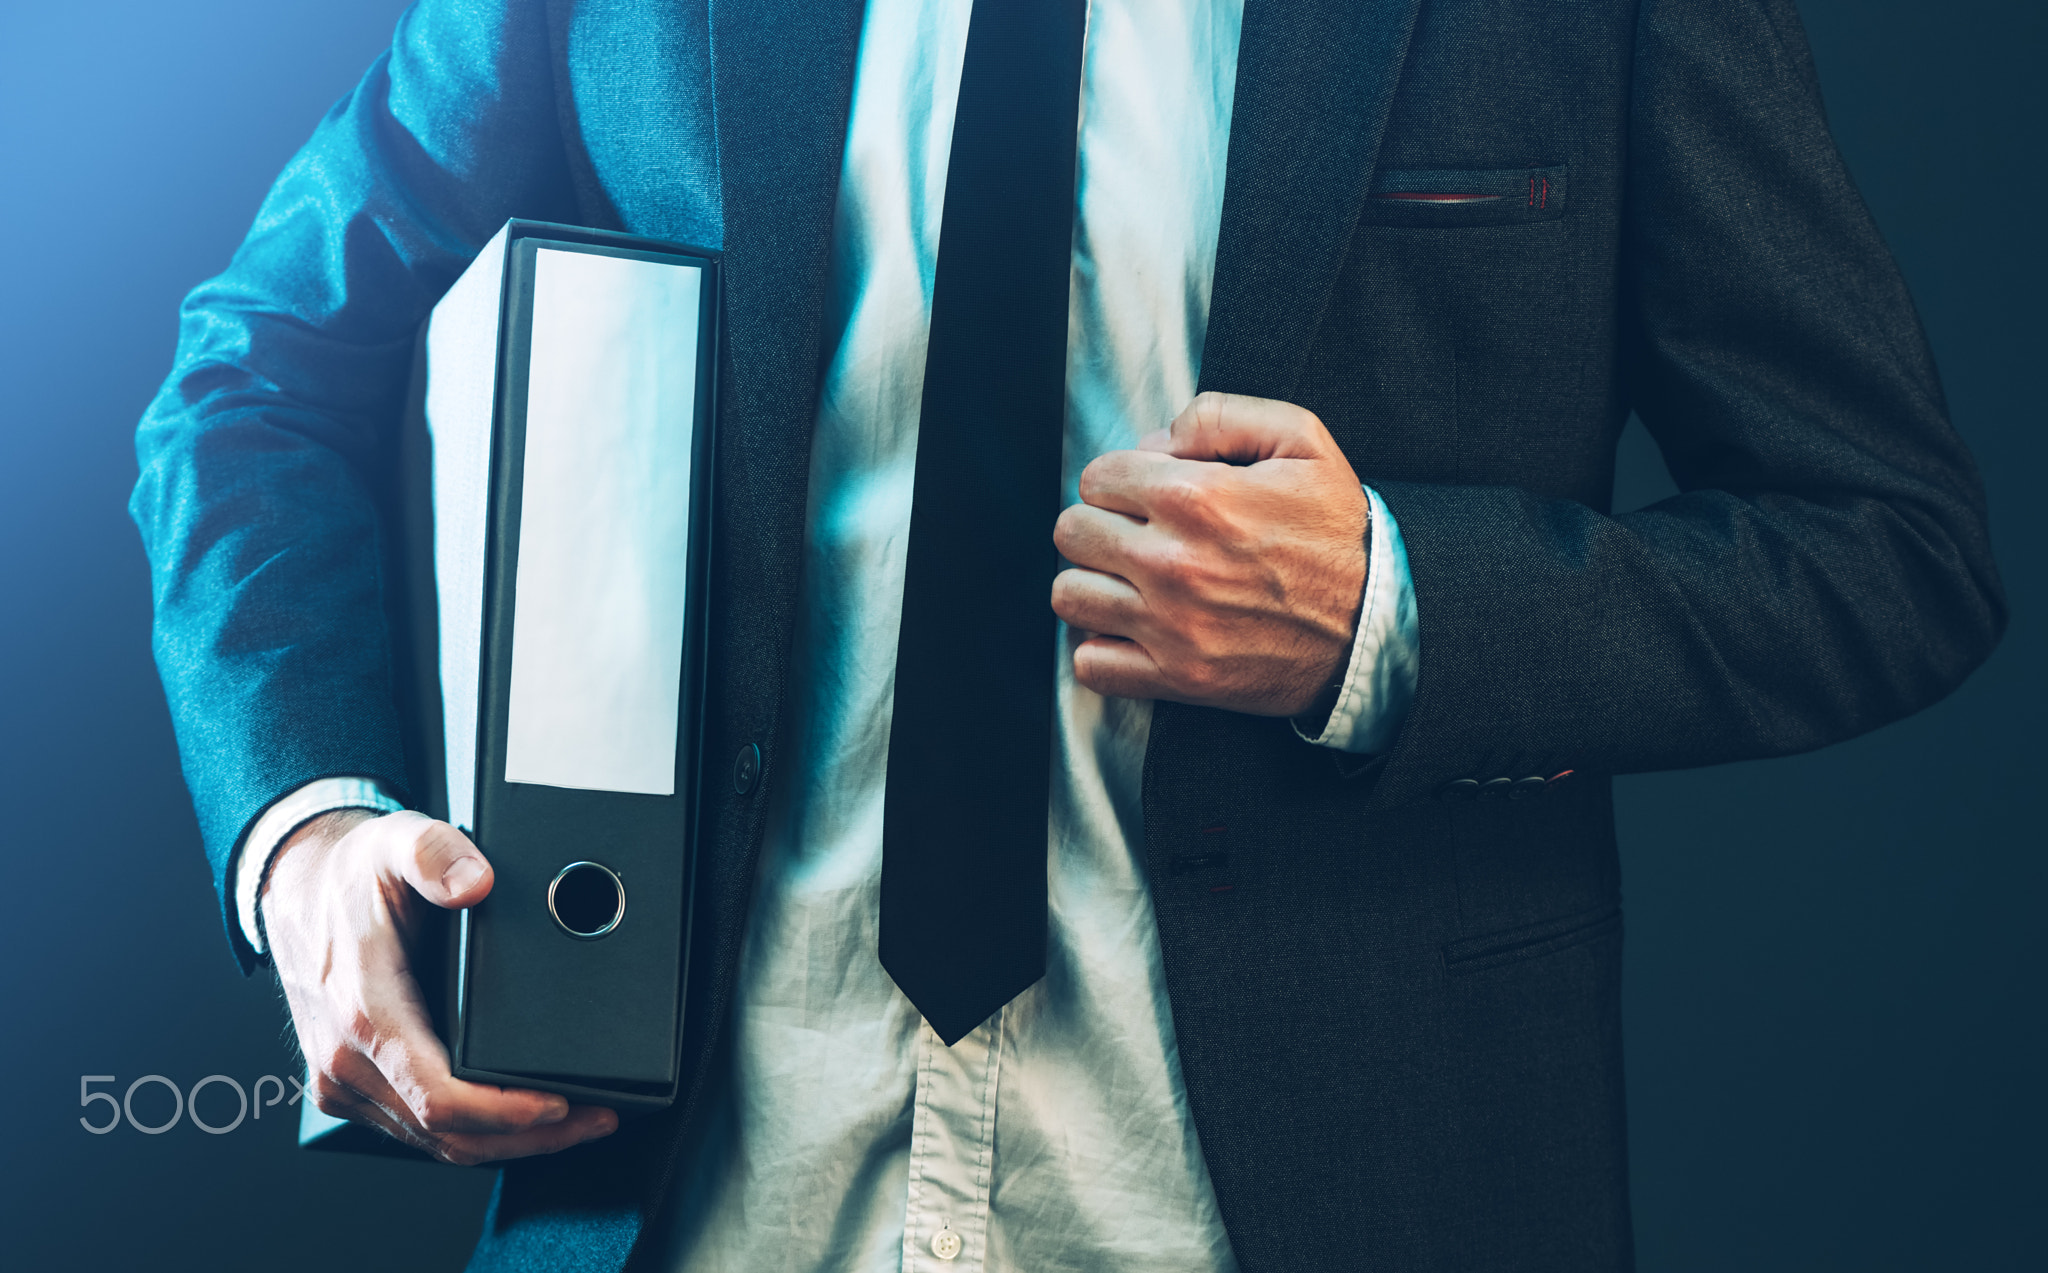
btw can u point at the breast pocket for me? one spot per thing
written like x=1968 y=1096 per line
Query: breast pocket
x=1465 y=196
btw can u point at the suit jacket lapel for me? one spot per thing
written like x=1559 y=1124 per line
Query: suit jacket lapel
x=782 y=74
x=1315 y=80
x=783 y=77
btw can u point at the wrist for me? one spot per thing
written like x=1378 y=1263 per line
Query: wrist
x=312 y=839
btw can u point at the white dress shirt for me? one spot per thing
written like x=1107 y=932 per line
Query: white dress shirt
x=1057 y=1135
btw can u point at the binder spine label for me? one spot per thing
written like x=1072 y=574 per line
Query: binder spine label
x=601 y=585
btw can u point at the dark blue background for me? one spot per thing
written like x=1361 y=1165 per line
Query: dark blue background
x=1835 y=990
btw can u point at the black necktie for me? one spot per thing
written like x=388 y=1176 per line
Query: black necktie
x=970 y=749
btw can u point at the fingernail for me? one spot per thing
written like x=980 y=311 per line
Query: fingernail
x=555 y=1112
x=462 y=876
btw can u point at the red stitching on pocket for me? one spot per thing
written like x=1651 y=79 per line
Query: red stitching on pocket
x=1436 y=196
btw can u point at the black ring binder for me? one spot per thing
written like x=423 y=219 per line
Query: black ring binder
x=531 y=991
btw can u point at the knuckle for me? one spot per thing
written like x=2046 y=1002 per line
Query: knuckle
x=331 y=1098
x=1093 y=673
x=332 y=1105
x=334 y=1061
x=1204 y=496
x=435 y=1112
x=1184 y=494
x=359 y=1033
x=1179 y=566
x=1195 y=676
x=1092 y=476
x=1066 y=529
x=435 y=844
x=1166 y=568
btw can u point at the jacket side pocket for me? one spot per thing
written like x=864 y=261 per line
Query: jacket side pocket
x=1531 y=941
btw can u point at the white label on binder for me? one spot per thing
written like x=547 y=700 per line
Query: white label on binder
x=604 y=524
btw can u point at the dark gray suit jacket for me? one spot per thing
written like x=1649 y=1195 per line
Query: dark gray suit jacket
x=1400 y=1026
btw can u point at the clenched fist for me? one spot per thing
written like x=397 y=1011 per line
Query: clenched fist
x=1222 y=563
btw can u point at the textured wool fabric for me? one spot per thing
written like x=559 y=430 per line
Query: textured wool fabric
x=1398 y=1017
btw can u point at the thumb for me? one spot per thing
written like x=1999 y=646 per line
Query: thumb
x=438 y=861
x=1237 y=429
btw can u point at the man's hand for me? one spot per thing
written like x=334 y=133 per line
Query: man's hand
x=1222 y=563
x=343 y=896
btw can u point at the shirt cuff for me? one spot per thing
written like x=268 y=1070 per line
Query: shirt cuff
x=1386 y=655
x=298 y=807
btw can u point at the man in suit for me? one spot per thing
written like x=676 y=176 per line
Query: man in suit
x=1324 y=968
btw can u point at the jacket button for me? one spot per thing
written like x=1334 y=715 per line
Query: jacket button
x=746 y=767
x=1496 y=789
x=1530 y=786
x=1462 y=789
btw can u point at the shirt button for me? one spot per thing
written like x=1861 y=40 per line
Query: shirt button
x=946 y=1244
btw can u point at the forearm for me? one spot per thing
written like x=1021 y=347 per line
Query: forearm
x=1708 y=630
x=263 y=456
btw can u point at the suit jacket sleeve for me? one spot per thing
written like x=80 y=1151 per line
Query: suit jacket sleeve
x=259 y=457
x=1825 y=569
